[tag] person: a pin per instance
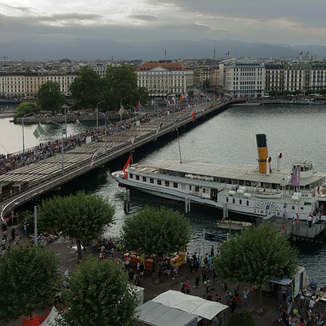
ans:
(310, 322)
(302, 323)
(237, 295)
(208, 284)
(212, 250)
(217, 298)
(283, 227)
(197, 279)
(203, 273)
(141, 269)
(131, 275)
(298, 218)
(245, 295)
(310, 220)
(228, 296)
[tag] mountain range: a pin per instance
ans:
(156, 50)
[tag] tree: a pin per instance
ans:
(121, 82)
(256, 256)
(82, 217)
(99, 294)
(241, 318)
(49, 97)
(29, 279)
(26, 108)
(86, 89)
(156, 231)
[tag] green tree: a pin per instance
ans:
(29, 279)
(26, 108)
(49, 97)
(241, 319)
(81, 217)
(99, 294)
(121, 83)
(86, 89)
(156, 231)
(256, 256)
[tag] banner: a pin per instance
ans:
(295, 180)
(91, 163)
(38, 131)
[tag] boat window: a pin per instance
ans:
(167, 183)
(144, 179)
(233, 200)
(301, 208)
(151, 180)
(247, 202)
(189, 187)
(227, 199)
(159, 182)
(131, 176)
(293, 207)
(137, 177)
(240, 201)
(175, 185)
(196, 188)
(204, 190)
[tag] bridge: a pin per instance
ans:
(23, 184)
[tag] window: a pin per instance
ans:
(137, 177)
(175, 185)
(131, 176)
(167, 183)
(151, 180)
(159, 182)
(233, 200)
(227, 199)
(144, 179)
(247, 202)
(240, 201)
(189, 187)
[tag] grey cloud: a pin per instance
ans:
(144, 17)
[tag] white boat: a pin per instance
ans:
(246, 190)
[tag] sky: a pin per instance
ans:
(55, 21)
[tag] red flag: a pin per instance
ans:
(301, 53)
(227, 53)
(126, 165)
(165, 101)
(194, 116)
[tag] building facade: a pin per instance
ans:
(165, 78)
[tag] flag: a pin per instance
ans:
(77, 122)
(301, 53)
(138, 106)
(38, 131)
(93, 158)
(121, 110)
(165, 101)
(193, 116)
(126, 165)
(307, 53)
(227, 53)
(181, 97)
(295, 180)
(173, 100)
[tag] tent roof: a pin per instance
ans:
(191, 304)
(156, 314)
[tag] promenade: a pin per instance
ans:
(22, 184)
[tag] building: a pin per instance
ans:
(243, 78)
(165, 78)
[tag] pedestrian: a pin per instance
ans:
(197, 279)
(208, 284)
(283, 227)
(245, 296)
(212, 250)
(310, 218)
(204, 273)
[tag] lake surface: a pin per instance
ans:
(293, 130)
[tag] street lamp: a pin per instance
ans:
(106, 146)
(26, 115)
(121, 106)
(62, 130)
(65, 107)
(97, 112)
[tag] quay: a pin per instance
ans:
(23, 184)
(298, 231)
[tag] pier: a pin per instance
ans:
(23, 184)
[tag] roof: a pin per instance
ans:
(156, 314)
(174, 66)
(237, 172)
(191, 304)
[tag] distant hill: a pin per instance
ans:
(175, 49)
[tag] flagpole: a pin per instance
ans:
(23, 130)
(61, 143)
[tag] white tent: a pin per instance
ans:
(50, 319)
(191, 304)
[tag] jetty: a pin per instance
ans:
(20, 185)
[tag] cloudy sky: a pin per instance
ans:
(273, 21)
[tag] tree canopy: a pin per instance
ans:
(86, 89)
(99, 294)
(29, 279)
(256, 256)
(81, 217)
(25, 108)
(49, 97)
(241, 318)
(156, 231)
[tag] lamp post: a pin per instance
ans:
(97, 112)
(61, 143)
(106, 146)
(26, 115)
(65, 107)
(121, 106)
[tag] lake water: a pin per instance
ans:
(295, 131)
